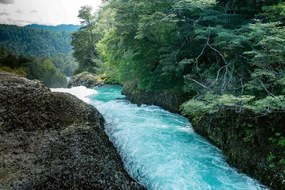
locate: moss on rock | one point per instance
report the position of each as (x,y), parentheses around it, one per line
(251,142)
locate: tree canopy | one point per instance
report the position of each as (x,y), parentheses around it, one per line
(84,41)
(217,47)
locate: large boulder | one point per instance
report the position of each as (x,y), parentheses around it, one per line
(87,79)
(29,105)
(54,141)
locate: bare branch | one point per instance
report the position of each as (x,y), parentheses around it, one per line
(198,83)
(262,84)
(223,58)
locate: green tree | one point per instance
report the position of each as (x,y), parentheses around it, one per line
(84,41)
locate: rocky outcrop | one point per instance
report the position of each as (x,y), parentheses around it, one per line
(252,143)
(87,79)
(29,105)
(54,141)
(165,99)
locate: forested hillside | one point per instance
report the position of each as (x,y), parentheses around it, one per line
(40,68)
(37,54)
(34,42)
(227,56)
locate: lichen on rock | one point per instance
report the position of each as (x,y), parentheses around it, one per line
(54,141)
(87,79)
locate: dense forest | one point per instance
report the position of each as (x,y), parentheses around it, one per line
(38,52)
(225,55)
(34,42)
(225,51)
(39,68)
(214,50)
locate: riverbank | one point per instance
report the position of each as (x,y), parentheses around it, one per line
(166,100)
(54,141)
(252,143)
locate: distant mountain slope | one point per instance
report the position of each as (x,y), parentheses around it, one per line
(58,28)
(34,42)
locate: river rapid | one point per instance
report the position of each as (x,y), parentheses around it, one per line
(160,149)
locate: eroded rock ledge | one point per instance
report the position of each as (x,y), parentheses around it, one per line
(165,99)
(87,79)
(54,141)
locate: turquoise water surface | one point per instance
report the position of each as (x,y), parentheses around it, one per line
(161,150)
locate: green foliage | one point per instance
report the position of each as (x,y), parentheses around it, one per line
(246,8)
(274,13)
(42,69)
(268,104)
(213,49)
(84,42)
(267,59)
(45,71)
(212,103)
(58,28)
(19,71)
(65,63)
(34,42)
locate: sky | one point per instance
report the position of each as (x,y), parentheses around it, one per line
(46,12)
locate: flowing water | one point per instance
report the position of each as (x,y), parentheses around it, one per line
(160,149)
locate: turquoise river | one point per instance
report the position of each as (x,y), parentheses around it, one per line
(160,149)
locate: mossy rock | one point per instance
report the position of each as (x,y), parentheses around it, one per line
(250,142)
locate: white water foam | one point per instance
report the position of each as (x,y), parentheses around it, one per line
(80,92)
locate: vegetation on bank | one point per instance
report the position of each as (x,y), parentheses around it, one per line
(227,55)
(216,50)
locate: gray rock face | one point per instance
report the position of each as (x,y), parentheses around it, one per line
(54,141)
(164,99)
(86,79)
